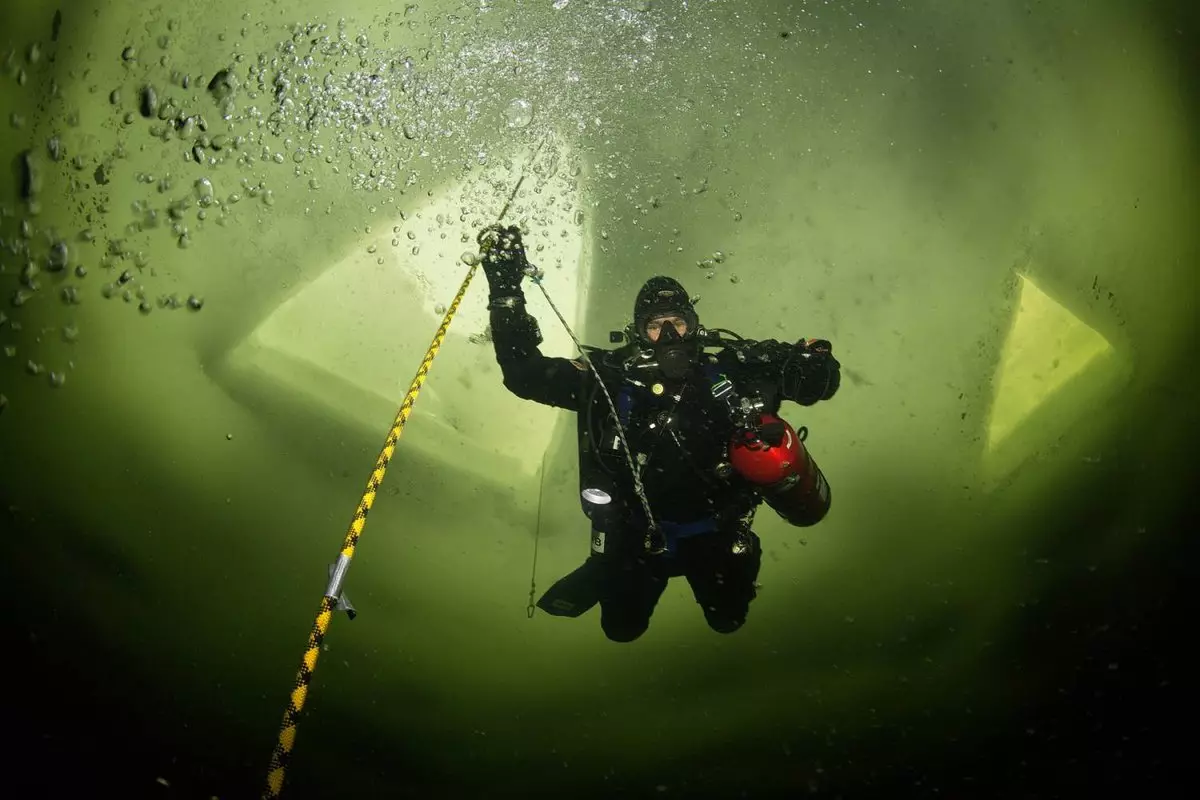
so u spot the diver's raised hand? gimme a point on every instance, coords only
(503, 256)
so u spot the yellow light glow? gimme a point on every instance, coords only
(1046, 347)
(353, 338)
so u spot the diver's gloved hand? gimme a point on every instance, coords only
(810, 372)
(504, 260)
(815, 346)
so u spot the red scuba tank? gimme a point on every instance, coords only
(791, 482)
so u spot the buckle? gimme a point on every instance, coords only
(722, 387)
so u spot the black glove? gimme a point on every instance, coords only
(810, 372)
(504, 260)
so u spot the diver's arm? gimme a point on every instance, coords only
(527, 373)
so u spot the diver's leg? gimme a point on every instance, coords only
(629, 589)
(722, 576)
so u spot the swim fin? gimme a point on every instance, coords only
(575, 594)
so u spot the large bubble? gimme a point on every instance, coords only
(519, 113)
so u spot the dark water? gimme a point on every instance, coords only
(989, 211)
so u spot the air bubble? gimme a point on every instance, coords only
(57, 261)
(149, 105)
(204, 191)
(519, 113)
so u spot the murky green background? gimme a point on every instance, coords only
(187, 422)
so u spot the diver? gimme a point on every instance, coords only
(679, 443)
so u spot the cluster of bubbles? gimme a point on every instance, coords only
(322, 94)
(324, 100)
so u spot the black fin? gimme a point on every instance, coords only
(575, 594)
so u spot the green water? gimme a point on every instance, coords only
(990, 210)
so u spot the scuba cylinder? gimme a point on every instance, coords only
(772, 456)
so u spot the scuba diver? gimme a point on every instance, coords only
(678, 446)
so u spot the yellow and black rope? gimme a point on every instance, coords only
(287, 732)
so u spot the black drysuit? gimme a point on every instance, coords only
(677, 439)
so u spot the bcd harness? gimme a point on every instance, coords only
(742, 413)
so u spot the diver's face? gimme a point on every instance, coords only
(655, 326)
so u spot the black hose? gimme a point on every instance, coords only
(736, 336)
